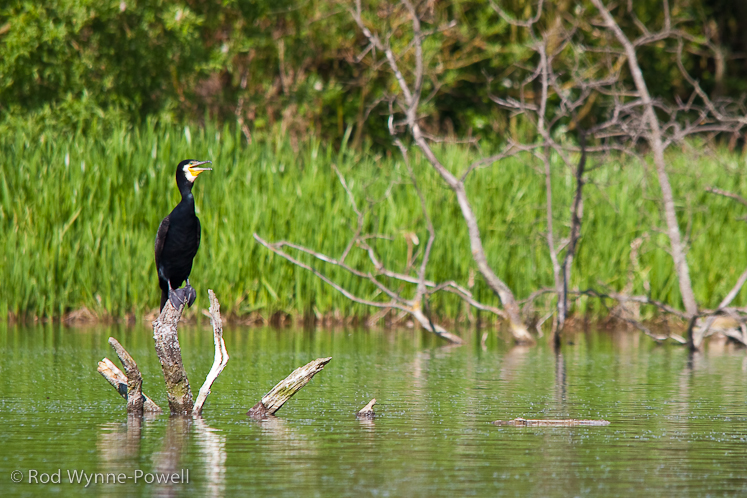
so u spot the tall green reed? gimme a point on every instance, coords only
(78, 215)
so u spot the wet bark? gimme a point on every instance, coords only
(285, 389)
(522, 422)
(221, 355)
(134, 379)
(367, 411)
(119, 381)
(170, 355)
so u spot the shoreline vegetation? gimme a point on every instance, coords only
(79, 215)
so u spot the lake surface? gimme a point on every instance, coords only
(678, 422)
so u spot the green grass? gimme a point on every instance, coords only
(78, 215)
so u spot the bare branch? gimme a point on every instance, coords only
(276, 249)
(731, 195)
(220, 359)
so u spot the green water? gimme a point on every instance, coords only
(678, 423)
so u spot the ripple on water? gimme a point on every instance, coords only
(678, 425)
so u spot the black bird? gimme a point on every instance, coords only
(178, 239)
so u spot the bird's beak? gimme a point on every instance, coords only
(196, 171)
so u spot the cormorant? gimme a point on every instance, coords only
(178, 239)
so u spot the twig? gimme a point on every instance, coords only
(730, 195)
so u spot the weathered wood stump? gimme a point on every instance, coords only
(170, 355)
(128, 385)
(367, 411)
(285, 389)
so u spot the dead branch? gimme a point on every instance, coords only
(119, 382)
(221, 355)
(730, 195)
(285, 389)
(134, 379)
(577, 213)
(655, 141)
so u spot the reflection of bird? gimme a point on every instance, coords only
(178, 239)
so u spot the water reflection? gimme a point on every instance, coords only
(287, 440)
(560, 380)
(168, 459)
(513, 362)
(122, 446)
(678, 421)
(119, 444)
(213, 448)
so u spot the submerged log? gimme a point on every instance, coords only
(285, 389)
(367, 411)
(221, 355)
(170, 355)
(522, 422)
(119, 381)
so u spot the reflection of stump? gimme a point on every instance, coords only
(170, 355)
(168, 461)
(285, 389)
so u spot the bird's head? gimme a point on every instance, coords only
(188, 170)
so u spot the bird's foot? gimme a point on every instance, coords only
(182, 296)
(191, 294)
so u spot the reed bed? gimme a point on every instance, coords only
(78, 215)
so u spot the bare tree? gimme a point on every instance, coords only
(577, 70)
(699, 115)
(632, 115)
(407, 103)
(413, 303)
(537, 113)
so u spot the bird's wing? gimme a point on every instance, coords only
(163, 229)
(199, 234)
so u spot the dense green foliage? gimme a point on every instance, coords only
(295, 64)
(78, 219)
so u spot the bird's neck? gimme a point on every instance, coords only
(187, 198)
(186, 190)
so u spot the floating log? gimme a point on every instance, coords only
(522, 422)
(285, 389)
(170, 355)
(119, 381)
(221, 355)
(367, 411)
